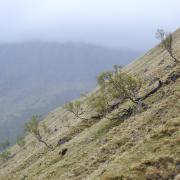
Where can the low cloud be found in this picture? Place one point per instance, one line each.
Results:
(114, 23)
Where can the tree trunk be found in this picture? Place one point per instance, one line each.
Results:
(49, 146)
(175, 59)
(39, 138)
(160, 83)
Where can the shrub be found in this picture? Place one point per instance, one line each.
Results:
(4, 156)
(118, 84)
(20, 141)
(33, 127)
(166, 43)
(75, 108)
(98, 102)
(114, 85)
(4, 145)
(45, 128)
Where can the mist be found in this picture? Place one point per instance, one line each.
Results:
(119, 24)
(59, 40)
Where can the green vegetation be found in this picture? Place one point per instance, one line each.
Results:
(98, 102)
(4, 155)
(114, 85)
(76, 109)
(20, 141)
(126, 142)
(45, 128)
(119, 84)
(33, 127)
(167, 43)
(4, 145)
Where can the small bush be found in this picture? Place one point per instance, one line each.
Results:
(114, 85)
(98, 102)
(118, 84)
(167, 43)
(45, 128)
(4, 156)
(4, 145)
(75, 108)
(20, 141)
(33, 127)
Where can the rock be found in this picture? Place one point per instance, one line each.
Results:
(172, 77)
(168, 67)
(24, 177)
(153, 80)
(161, 62)
(63, 151)
(175, 76)
(96, 117)
(178, 165)
(146, 70)
(63, 141)
(177, 177)
(141, 106)
(88, 140)
(103, 141)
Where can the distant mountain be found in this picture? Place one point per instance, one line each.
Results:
(37, 77)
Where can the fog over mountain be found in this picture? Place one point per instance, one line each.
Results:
(37, 77)
(115, 23)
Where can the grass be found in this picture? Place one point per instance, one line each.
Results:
(144, 146)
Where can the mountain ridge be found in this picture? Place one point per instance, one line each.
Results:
(37, 77)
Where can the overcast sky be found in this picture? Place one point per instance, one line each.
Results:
(118, 23)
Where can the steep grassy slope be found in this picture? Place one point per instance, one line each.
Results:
(144, 146)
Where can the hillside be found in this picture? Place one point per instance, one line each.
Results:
(37, 77)
(142, 146)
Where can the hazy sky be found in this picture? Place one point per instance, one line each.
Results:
(118, 23)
